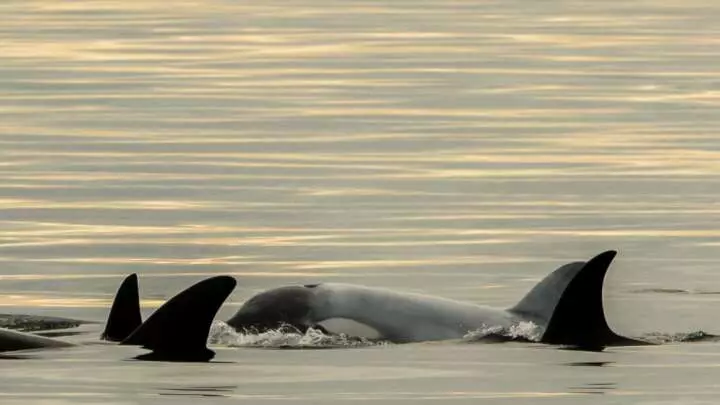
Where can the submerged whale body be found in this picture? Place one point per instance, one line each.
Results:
(177, 331)
(566, 306)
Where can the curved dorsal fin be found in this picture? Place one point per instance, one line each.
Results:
(178, 330)
(569, 305)
(124, 315)
(539, 304)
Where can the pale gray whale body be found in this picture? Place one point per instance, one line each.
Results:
(566, 306)
(177, 331)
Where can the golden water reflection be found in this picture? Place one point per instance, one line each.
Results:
(423, 140)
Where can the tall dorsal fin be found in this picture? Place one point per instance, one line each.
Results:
(178, 330)
(540, 303)
(569, 305)
(124, 315)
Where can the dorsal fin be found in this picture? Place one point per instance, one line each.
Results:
(569, 305)
(178, 330)
(539, 304)
(124, 315)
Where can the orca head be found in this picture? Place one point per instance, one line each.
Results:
(277, 308)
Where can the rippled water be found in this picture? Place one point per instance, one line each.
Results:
(457, 148)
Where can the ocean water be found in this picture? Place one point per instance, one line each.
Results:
(455, 148)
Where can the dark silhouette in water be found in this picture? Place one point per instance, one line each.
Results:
(177, 331)
(124, 315)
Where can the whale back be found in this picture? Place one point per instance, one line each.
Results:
(400, 316)
(568, 304)
(124, 315)
(11, 340)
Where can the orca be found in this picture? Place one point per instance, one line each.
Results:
(124, 316)
(566, 306)
(177, 331)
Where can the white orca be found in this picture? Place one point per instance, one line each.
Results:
(177, 331)
(566, 306)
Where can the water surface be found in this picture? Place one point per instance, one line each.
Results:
(456, 148)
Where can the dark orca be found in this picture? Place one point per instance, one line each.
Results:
(177, 331)
(124, 315)
(566, 306)
(11, 340)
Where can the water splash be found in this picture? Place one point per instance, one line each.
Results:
(681, 337)
(522, 331)
(285, 338)
(530, 332)
(675, 291)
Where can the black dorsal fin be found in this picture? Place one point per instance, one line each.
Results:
(179, 329)
(124, 315)
(569, 305)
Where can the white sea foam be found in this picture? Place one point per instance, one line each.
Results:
(225, 335)
(524, 331)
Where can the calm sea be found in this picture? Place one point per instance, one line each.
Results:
(455, 148)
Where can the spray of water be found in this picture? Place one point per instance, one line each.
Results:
(522, 331)
(681, 337)
(284, 338)
(223, 334)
